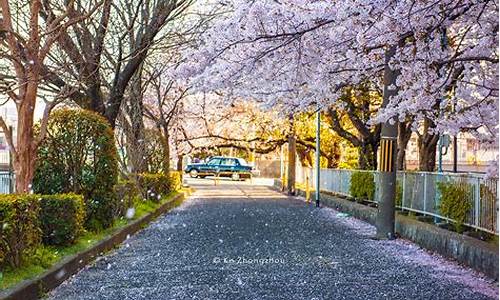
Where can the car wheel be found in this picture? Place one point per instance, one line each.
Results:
(193, 173)
(235, 176)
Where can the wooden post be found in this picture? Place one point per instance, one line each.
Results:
(291, 159)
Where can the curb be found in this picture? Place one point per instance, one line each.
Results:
(35, 288)
(475, 254)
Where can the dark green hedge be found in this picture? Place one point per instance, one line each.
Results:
(20, 232)
(79, 156)
(362, 185)
(61, 218)
(455, 203)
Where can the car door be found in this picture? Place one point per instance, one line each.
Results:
(212, 166)
(228, 165)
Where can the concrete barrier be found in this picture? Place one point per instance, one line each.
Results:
(466, 250)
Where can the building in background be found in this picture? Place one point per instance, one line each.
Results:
(471, 155)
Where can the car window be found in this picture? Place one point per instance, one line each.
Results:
(229, 162)
(214, 161)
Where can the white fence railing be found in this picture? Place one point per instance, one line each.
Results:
(7, 182)
(419, 192)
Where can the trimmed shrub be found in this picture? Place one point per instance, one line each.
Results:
(154, 185)
(79, 156)
(20, 232)
(175, 180)
(127, 192)
(61, 218)
(362, 185)
(454, 202)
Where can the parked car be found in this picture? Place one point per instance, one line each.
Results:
(234, 167)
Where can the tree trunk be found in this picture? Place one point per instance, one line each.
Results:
(404, 135)
(165, 139)
(334, 158)
(427, 145)
(24, 168)
(427, 156)
(367, 159)
(332, 163)
(401, 156)
(25, 156)
(179, 162)
(136, 147)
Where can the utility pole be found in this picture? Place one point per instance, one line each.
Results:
(318, 155)
(388, 150)
(291, 158)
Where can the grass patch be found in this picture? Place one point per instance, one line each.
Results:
(144, 207)
(46, 256)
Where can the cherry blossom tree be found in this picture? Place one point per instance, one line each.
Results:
(295, 55)
(163, 107)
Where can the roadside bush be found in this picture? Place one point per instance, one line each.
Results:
(79, 156)
(154, 185)
(43, 256)
(175, 180)
(127, 192)
(20, 232)
(61, 218)
(362, 185)
(454, 202)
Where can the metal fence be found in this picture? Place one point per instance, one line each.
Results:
(6, 182)
(419, 192)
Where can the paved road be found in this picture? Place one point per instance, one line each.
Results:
(244, 241)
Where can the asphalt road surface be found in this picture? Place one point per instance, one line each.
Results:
(241, 240)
